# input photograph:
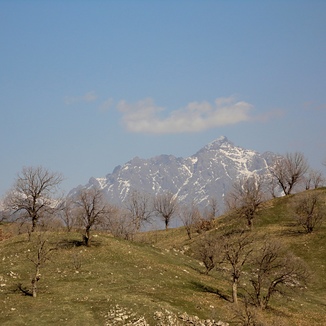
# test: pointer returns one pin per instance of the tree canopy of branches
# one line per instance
(274, 271)
(67, 214)
(314, 179)
(309, 210)
(140, 209)
(39, 255)
(212, 209)
(165, 205)
(289, 170)
(92, 210)
(205, 251)
(190, 216)
(43, 252)
(246, 198)
(120, 223)
(32, 195)
(235, 249)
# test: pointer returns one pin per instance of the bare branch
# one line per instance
(246, 198)
(309, 210)
(165, 205)
(92, 210)
(32, 195)
(289, 170)
(274, 270)
(139, 206)
(190, 216)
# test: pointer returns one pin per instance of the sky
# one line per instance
(88, 85)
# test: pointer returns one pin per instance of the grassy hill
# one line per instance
(156, 273)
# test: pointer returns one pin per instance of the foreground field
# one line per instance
(152, 275)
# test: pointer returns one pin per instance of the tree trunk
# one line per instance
(35, 280)
(250, 223)
(86, 240)
(235, 291)
(87, 237)
(189, 233)
(166, 224)
(34, 220)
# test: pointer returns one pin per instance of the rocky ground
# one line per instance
(118, 316)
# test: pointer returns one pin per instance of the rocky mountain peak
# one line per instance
(217, 144)
(210, 172)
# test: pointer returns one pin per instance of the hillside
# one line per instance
(116, 279)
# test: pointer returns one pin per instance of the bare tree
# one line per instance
(39, 255)
(309, 210)
(189, 216)
(212, 209)
(245, 315)
(246, 198)
(92, 211)
(68, 214)
(273, 271)
(120, 223)
(205, 251)
(165, 205)
(236, 248)
(32, 195)
(140, 209)
(314, 179)
(289, 171)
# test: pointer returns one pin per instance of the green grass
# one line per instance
(79, 285)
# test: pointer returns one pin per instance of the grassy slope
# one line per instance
(146, 278)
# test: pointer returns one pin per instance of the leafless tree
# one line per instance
(314, 179)
(165, 205)
(120, 223)
(32, 195)
(206, 251)
(246, 198)
(140, 209)
(189, 216)
(68, 214)
(212, 209)
(289, 170)
(273, 271)
(235, 250)
(309, 210)
(245, 315)
(92, 211)
(39, 255)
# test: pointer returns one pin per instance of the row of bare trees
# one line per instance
(34, 199)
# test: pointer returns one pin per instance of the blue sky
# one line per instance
(88, 85)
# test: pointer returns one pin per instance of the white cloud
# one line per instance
(145, 117)
(87, 97)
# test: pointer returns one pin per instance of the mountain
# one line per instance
(208, 173)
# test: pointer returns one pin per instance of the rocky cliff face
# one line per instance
(208, 173)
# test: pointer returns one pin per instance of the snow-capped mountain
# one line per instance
(208, 173)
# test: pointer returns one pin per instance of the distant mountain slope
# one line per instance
(208, 173)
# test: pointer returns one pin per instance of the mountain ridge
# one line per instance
(210, 172)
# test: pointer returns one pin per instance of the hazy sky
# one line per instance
(88, 85)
